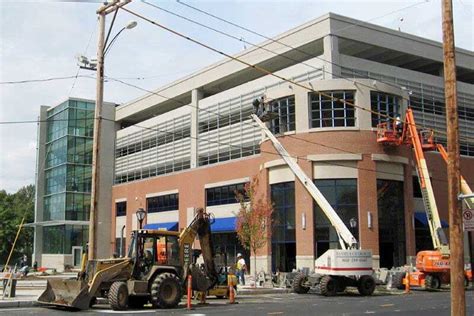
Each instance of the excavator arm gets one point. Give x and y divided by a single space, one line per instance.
204 277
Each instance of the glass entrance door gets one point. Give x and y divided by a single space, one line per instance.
76 256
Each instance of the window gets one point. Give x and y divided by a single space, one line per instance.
333 111
342 195
391 212
121 208
223 195
384 105
284 233
169 202
61 239
416 188
285 107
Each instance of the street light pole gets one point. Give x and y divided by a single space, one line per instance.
95 188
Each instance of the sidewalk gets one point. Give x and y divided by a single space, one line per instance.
27 291
250 290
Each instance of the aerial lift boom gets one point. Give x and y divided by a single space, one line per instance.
465 189
346 239
432 265
336 268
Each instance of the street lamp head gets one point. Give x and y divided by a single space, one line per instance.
131 25
140 216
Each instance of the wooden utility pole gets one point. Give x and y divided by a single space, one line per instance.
95 189
458 300
96 145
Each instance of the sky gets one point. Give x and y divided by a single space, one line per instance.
41 39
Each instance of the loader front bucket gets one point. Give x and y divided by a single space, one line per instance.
66 293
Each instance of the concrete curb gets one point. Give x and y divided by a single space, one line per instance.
250 291
17 304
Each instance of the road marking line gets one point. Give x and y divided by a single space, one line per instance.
386 305
275 313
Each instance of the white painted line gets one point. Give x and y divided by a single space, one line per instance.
109 311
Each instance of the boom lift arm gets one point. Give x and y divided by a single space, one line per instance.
346 239
465 189
438 236
389 134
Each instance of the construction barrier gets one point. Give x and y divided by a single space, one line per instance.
190 291
231 291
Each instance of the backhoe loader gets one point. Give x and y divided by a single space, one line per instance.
155 270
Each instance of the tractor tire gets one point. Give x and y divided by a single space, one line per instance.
328 286
137 301
298 286
118 296
340 285
366 285
166 291
432 282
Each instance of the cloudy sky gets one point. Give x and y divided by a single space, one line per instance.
40 39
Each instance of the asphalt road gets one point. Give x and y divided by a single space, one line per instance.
417 303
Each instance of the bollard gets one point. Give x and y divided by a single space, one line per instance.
407 283
190 291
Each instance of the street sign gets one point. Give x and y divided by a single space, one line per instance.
468 219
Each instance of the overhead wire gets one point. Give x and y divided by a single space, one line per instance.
296 48
78 67
273 40
270 152
44 79
259 68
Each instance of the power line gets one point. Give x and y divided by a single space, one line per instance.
78 67
292 47
305 27
45 79
261 69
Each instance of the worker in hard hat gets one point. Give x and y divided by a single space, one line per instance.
240 269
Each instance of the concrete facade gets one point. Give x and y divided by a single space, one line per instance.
214 143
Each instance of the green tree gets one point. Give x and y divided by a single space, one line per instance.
13 207
253 220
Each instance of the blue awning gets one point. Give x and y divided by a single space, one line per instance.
421 217
226 224
168 226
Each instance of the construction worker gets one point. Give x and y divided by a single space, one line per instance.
398 124
240 269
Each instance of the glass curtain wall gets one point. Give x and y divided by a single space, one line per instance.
60 239
68 172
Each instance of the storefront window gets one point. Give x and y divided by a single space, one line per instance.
391 213
283 234
61 239
342 195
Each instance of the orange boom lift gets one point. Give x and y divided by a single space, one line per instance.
432 266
